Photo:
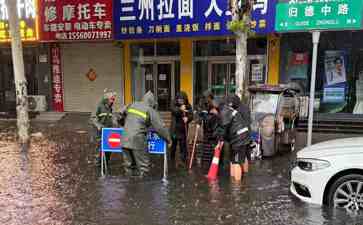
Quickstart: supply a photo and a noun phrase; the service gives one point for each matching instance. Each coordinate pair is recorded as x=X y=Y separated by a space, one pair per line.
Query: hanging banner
x=142 y=19
x=302 y=15
x=27 y=20
x=335 y=72
x=263 y=16
x=76 y=20
x=57 y=81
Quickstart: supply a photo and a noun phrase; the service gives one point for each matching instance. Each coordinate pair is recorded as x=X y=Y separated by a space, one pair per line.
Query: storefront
x=85 y=60
x=178 y=47
x=338 y=83
x=36 y=62
x=339 y=69
x=214 y=65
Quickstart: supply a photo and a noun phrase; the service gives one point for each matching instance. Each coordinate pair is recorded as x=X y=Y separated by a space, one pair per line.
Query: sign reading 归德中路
x=27 y=20
x=170 y=18
x=76 y=20
x=300 y=15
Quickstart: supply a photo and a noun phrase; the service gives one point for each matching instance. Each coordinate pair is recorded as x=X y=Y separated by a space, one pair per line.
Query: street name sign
x=305 y=15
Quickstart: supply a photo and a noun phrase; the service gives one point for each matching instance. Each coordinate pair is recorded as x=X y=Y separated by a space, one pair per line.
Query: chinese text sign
x=170 y=18
x=57 y=79
x=27 y=20
x=299 y=15
x=76 y=20
x=263 y=16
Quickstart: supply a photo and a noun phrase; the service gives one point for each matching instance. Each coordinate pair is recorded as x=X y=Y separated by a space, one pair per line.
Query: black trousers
x=183 y=147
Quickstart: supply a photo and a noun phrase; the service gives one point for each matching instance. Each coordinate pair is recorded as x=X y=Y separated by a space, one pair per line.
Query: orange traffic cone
x=213 y=170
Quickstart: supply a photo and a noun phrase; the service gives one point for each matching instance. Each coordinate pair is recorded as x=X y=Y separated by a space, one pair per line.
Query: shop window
x=200 y=80
x=215 y=48
x=339 y=78
x=167 y=48
x=146 y=49
x=155 y=49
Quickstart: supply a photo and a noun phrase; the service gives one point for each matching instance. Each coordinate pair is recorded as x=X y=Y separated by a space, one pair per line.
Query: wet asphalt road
x=56 y=183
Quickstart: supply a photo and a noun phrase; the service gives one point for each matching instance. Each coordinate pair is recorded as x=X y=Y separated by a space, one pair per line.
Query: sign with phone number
x=91 y=35
x=76 y=20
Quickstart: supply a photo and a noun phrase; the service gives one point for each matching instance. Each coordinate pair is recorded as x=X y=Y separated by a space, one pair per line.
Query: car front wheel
x=347 y=193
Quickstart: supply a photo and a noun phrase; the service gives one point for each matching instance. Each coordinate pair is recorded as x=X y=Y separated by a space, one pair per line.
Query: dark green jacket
x=104 y=113
x=140 y=117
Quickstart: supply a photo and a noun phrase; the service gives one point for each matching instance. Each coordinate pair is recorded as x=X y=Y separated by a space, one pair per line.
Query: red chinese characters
x=57 y=81
x=75 y=20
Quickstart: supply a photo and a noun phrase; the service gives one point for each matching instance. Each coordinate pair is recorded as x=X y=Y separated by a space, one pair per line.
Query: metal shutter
x=81 y=94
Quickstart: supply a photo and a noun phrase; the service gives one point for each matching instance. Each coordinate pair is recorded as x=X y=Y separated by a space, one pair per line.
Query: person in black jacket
x=234 y=128
x=208 y=119
x=182 y=115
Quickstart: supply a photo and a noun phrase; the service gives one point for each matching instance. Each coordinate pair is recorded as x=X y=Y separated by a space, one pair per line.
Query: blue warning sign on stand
x=156 y=145
x=111 y=139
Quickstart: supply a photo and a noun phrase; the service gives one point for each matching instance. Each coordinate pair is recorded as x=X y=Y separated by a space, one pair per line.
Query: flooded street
x=57 y=183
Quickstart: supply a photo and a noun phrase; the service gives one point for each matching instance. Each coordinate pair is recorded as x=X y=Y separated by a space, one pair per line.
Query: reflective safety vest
x=137 y=113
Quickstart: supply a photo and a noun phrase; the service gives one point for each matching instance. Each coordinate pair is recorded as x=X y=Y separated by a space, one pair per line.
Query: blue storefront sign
x=156 y=145
x=142 y=19
x=263 y=16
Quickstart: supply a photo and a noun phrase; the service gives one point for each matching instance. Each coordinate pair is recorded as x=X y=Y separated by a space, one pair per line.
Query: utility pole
x=19 y=75
x=240 y=25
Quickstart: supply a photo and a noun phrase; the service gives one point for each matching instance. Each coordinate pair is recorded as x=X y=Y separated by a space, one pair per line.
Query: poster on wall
x=335 y=71
x=57 y=79
x=257 y=72
x=75 y=20
x=298 y=65
x=334 y=94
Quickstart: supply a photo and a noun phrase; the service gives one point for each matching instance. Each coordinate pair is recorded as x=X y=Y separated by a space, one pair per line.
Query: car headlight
x=311 y=164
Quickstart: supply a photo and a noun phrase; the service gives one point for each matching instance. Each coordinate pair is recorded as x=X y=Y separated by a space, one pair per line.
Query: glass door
x=165 y=79
x=148 y=71
x=222 y=78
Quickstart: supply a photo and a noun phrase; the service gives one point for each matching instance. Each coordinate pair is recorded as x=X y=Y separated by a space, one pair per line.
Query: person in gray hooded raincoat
x=139 y=118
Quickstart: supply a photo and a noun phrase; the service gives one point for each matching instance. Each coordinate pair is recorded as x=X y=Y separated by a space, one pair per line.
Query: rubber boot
x=142 y=160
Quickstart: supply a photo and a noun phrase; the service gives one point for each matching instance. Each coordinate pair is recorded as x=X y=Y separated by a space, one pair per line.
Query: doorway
x=222 y=78
x=159 y=78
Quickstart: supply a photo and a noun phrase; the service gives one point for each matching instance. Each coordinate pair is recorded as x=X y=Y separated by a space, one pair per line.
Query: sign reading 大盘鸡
x=300 y=15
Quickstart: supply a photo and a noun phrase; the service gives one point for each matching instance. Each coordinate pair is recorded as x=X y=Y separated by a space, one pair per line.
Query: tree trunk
x=241 y=50
x=241 y=62
x=19 y=76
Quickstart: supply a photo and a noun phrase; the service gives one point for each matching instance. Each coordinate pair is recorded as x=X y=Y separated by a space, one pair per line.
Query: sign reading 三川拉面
x=170 y=18
x=76 y=20
x=263 y=16
x=301 y=15
x=27 y=20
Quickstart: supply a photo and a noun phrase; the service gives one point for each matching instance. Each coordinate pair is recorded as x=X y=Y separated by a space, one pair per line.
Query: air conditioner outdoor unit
x=37 y=103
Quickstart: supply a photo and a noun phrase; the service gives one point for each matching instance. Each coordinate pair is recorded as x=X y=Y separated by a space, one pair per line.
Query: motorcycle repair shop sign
x=75 y=20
